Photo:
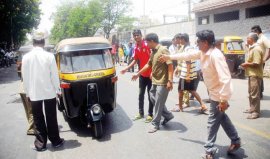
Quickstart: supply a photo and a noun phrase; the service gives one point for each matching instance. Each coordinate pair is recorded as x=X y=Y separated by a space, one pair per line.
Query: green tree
x=17 y=17
x=113 y=11
x=125 y=23
x=77 y=19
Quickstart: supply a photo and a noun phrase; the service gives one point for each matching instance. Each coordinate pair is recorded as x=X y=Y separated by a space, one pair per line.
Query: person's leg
x=40 y=125
x=151 y=105
x=197 y=96
x=230 y=130
x=160 y=99
x=142 y=87
x=29 y=114
x=51 y=119
x=255 y=96
x=196 y=83
x=214 y=121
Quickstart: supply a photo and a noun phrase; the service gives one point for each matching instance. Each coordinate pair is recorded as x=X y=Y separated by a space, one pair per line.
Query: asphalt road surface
x=181 y=138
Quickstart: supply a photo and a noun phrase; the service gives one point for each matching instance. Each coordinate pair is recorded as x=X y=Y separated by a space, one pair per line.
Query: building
x=232 y=17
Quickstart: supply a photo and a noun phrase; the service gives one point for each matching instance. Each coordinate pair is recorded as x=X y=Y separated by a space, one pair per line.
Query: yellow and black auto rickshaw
x=88 y=80
x=232 y=48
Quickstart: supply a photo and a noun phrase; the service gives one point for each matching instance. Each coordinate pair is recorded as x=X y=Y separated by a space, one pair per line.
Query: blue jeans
x=215 y=119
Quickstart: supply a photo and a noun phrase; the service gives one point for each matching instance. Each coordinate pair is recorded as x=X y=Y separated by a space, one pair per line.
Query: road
x=181 y=138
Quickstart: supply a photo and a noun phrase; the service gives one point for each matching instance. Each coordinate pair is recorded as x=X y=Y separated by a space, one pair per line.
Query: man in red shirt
x=142 y=54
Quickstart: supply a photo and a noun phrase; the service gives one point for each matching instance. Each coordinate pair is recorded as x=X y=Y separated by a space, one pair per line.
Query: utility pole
x=144 y=19
x=189 y=10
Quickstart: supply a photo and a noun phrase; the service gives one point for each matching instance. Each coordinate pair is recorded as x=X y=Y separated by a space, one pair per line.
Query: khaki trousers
x=28 y=112
x=254 y=89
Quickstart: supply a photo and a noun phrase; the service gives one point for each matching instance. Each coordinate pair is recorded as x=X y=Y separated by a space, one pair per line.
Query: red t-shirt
x=143 y=54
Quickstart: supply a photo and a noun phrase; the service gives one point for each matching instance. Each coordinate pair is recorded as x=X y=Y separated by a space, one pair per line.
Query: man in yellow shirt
x=254 y=70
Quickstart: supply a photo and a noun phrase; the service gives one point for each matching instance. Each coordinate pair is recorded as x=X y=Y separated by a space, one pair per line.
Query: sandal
x=203 y=109
x=177 y=109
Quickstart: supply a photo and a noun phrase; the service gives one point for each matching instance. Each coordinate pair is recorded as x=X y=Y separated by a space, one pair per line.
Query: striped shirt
x=184 y=74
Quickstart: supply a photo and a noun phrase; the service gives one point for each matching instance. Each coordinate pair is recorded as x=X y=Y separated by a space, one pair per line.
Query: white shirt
x=216 y=74
x=173 y=49
x=40 y=75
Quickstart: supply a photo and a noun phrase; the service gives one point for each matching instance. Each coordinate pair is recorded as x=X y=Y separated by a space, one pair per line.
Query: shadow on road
x=222 y=150
x=114 y=122
x=266 y=97
x=265 y=114
x=8 y=74
x=174 y=126
x=69 y=144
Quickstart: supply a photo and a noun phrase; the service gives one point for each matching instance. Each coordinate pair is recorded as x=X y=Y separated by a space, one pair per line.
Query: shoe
x=153 y=130
x=137 y=117
x=40 y=149
x=252 y=116
x=60 y=143
x=148 y=119
x=210 y=155
x=233 y=147
x=166 y=120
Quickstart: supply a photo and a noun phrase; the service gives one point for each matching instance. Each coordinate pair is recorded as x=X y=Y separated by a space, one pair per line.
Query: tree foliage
x=17 y=18
x=113 y=11
x=76 y=19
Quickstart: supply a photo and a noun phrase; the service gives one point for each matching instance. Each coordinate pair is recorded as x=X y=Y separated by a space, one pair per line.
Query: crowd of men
x=157 y=65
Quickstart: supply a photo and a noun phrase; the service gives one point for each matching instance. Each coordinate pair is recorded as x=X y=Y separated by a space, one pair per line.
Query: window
x=258 y=11
x=86 y=60
x=203 y=20
x=227 y=16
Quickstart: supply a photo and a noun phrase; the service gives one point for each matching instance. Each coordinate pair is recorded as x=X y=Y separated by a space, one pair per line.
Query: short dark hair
x=256 y=28
x=185 y=37
x=206 y=35
x=177 y=36
x=137 y=31
x=152 y=37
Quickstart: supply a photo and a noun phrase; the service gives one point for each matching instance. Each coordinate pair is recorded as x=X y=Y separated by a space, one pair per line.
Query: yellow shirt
x=255 y=55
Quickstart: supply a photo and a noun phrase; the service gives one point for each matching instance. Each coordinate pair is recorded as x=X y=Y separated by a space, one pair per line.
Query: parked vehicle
x=88 y=80
x=233 y=50
x=20 y=53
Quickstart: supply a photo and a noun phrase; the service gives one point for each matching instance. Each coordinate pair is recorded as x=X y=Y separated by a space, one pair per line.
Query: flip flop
x=203 y=110
x=176 y=109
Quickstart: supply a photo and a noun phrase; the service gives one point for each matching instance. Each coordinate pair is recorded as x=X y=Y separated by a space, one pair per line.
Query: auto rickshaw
x=88 y=80
x=232 y=48
x=20 y=53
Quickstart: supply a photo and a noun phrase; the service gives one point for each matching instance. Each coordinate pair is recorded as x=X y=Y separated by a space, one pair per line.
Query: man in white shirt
x=41 y=84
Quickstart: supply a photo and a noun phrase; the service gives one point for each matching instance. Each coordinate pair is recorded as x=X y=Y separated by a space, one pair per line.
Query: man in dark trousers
x=142 y=54
x=41 y=85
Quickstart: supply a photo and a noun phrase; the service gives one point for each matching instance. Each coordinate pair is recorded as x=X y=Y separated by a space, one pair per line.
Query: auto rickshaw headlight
x=96 y=108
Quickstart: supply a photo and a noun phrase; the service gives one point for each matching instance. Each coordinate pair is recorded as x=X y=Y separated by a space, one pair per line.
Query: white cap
x=38 y=35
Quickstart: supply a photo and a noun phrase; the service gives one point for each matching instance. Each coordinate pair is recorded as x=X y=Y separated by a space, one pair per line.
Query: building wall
x=239 y=27
x=168 y=31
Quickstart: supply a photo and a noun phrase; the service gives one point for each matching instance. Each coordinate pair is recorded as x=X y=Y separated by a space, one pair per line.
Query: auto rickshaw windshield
x=85 y=60
x=235 y=45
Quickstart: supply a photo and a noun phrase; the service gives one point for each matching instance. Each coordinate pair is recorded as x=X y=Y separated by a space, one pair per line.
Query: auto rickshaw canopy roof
x=84 y=43
x=232 y=38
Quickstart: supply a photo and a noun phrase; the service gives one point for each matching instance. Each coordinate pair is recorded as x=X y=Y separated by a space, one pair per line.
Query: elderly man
x=254 y=70
x=217 y=79
x=41 y=85
x=265 y=46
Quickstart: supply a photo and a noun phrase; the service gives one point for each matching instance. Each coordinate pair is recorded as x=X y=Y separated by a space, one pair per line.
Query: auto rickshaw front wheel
x=97 y=129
